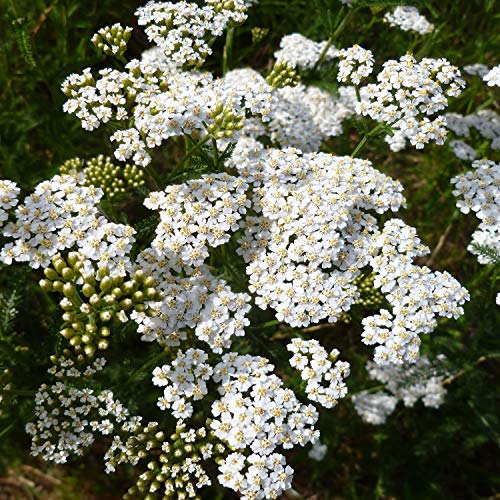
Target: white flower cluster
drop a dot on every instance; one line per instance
(67, 418)
(305, 116)
(317, 368)
(492, 78)
(479, 190)
(198, 301)
(185, 378)
(196, 214)
(9, 192)
(60, 214)
(374, 408)
(407, 383)
(301, 52)
(164, 104)
(417, 295)
(313, 232)
(318, 451)
(407, 94)
(182, 30)
(409, 19)
(256, 412)
(355, 63)
(462, 150)
(477, 69)
(256, 476)
(486, 122)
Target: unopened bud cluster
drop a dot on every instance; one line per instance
(112, 40)
(102, 173)
(258, 34)
(175, 469)
(225, 121)
(282, 75)
(92, 300)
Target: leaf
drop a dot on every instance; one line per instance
(385, 3)
(24, 40)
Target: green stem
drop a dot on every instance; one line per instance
(144, 367)
(228, 49)
(7, 429)
(14, 392)
(360, 146)
(331, 39)
(153, 176)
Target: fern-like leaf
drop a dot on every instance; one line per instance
(492, 254)
(24, 41)
(8, 312)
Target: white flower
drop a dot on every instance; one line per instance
(492, 78)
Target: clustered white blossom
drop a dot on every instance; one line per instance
(68, 417)
(185, 378)
(256, 476)
(318, 451)
(62, 213)
(462, 150)
(303, 53)
(477, 69)
(198, 302)
(485, 122)
(197, 214)
(182, 30)
(408, 92)
(305, 116)
(318, 367)
(407, 383)
(164, 104)
(9, 192)
(417, 295)
(492, 78)
(409, 19)
(355, 64)
(256, 413)
(478, 190)
(304, 223)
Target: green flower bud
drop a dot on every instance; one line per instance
(102, 344)
(88, 290)
(46, 285)
(75, 340)
(68, 274)
(50, 274)
(106, 283)
(106, 316)
(89, 350)
(91, 328)
(67, 333)
(105, 331)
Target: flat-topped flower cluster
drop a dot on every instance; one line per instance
(306, 228)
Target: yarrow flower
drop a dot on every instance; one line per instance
(478, 191)
(303, 53)
(355, 64)
(318, 368)
(9, 192)
(63, 213)
(407, 94)
(408, 383)
(492, 78)
(409, 19)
